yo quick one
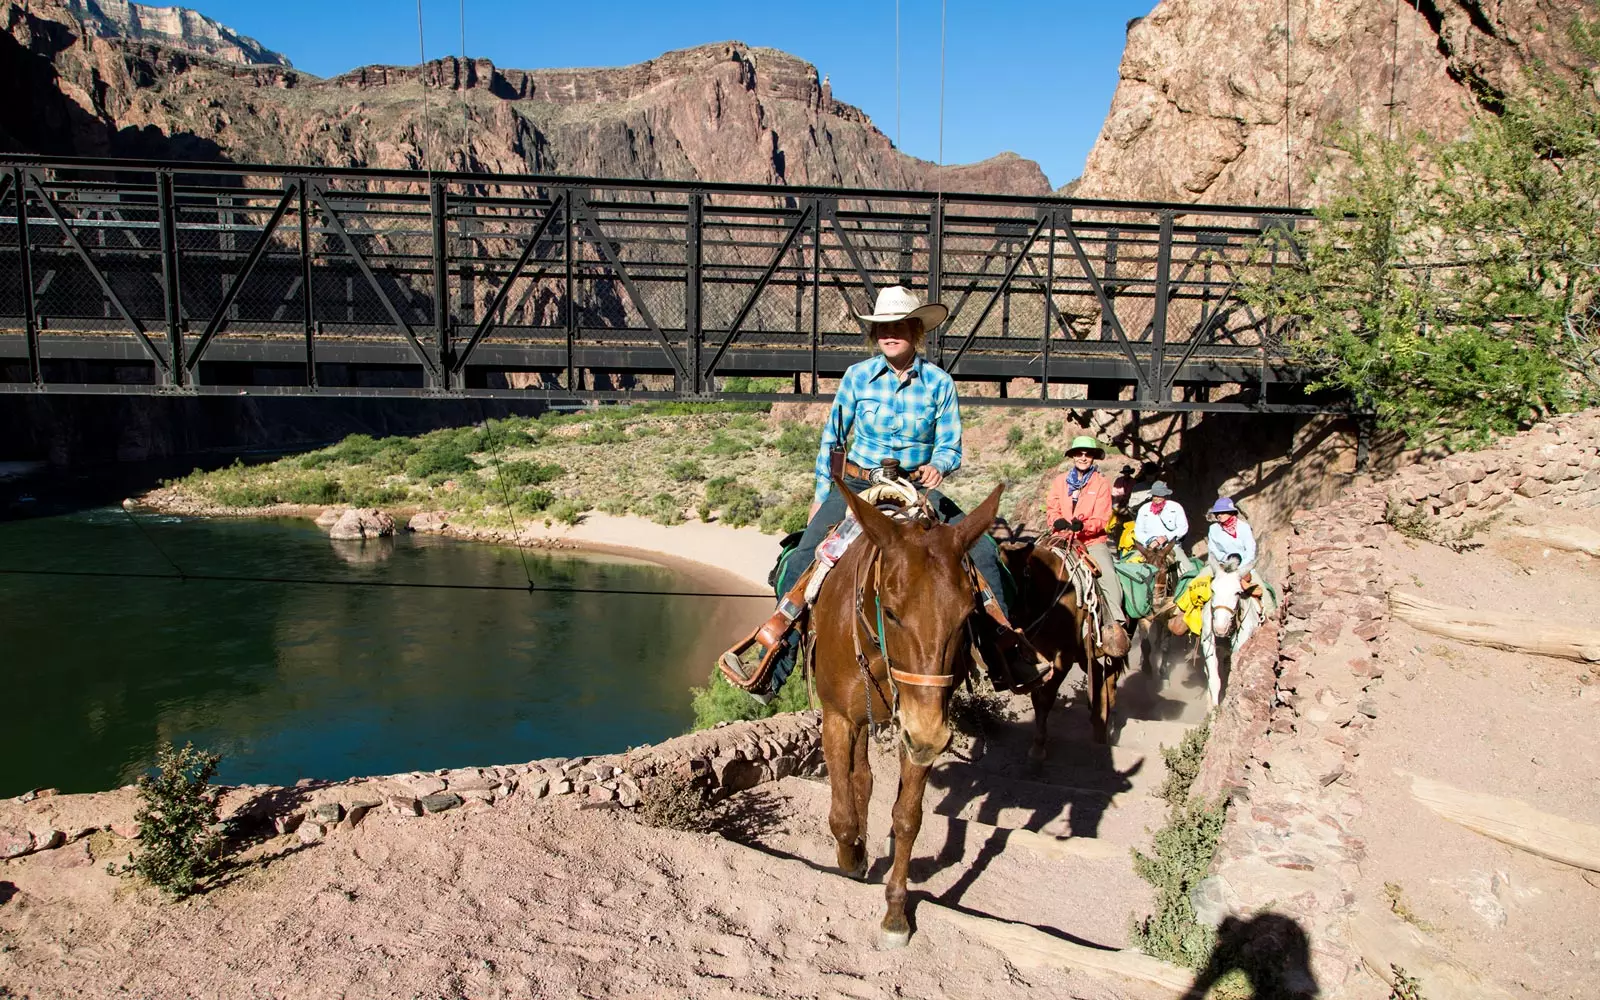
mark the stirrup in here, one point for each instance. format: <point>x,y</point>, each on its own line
<point>751,675</point>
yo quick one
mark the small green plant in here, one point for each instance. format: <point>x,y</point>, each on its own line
<point>316,489</point>
<point>665,509</point>
<point>686,471</point>
<point>1037,454</point>
<point>1410,521</point>
<point>1396,897</point>
<point>1013,437</point>
<point>674,801</point>
<point>1405,987</point>
<point>704,511</point>
<point>1183,763</point>
<point>744,422</point>
<point>178,847</point>
<point>616,504</point>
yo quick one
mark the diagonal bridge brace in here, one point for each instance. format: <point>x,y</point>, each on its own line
<point>590,226</point>
<point>1005,283</point>
<point>94,270</point>
<point>831,213</point>
<point>557,207</point>
<point>1106,308</point>
<point>755,293</point>
<point>219,318</point>
<point>321,199</point>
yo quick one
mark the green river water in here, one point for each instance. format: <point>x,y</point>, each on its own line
<point>292,681</point>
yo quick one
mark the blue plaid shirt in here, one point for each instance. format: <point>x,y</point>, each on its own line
<point>917,421</point>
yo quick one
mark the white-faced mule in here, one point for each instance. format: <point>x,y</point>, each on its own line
<point>891,642</point>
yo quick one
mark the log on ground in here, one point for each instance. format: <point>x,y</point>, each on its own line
<point>1515,823</point>
<point>1517,633</point>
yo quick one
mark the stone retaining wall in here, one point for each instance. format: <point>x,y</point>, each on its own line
<point>727,759</point>
<point>1287,741</point>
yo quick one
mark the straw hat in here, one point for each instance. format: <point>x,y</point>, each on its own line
<point>897,303</point>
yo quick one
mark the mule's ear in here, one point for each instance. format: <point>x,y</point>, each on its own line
<point>976,523</point>
<point>874,523</point>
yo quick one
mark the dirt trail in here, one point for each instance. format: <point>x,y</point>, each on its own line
<point>565,897</point>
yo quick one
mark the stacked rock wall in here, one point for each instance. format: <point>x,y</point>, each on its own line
<point>1286,743</point>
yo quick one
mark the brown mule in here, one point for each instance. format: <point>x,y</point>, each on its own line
<point>1055,621</point>
<point>915,575</point>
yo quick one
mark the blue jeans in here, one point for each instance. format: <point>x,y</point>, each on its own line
<point>985,558</point>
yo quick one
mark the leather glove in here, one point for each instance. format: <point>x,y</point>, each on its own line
<point>1076,524</point>
<point>1061,525</point>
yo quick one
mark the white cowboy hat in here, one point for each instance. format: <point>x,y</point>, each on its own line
<point>897,303</point>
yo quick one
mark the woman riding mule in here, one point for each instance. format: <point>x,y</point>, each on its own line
<point>904,415</point>
<point>1082,498</point>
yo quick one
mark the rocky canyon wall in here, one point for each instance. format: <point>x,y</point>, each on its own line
<point>1236,103</point>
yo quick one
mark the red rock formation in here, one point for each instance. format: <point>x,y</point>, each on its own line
<point>724,112</point>
<point>1199,114</point>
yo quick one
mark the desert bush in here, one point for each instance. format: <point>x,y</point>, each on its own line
<point>1405,987</point>
<point>674,801</point>
<point>441,457</point>
<point>314,489</point>
<point>603,434</point>
<point>784,519</point>
<point>1038,455</point>
<point>178,847</point>
<point>798,439</point>
<point>666,509</point>
<point>726,446</point>
<point>720,701</point>
<point>242,494</point>
<point>516,474</point>
<point>532,501</point>
<point>1013,437</point>
<point>375,496</point>
<point>686,471</point>
<point>1183,763</point>
<point>568,511</point>
<point>1180,857</point>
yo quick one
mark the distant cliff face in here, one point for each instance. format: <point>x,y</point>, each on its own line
<point>724,112</point>
<point>178,27</point>
<point>1199,112</point>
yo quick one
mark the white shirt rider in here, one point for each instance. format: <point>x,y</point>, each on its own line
<point>1161,518</point>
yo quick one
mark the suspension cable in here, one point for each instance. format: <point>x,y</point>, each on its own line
<point>505,491</point>
<point>897,75</point>
<point>306,581</point>
<point>1288,34</point>
<point>942,8</point>
<point>422,68</point>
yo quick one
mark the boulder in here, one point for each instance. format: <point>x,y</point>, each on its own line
<point>429,521</point>
<point>15,843</point>
<point>363,523</point>
<point>330,516</point>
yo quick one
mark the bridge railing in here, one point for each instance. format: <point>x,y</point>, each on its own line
<point>194,277</point>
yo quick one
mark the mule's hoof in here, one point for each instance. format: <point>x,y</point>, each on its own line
<point>889,940</point>
<point>1037,753</point>
<point>859,872</point>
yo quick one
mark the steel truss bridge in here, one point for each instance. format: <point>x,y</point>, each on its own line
<point>184,278</point>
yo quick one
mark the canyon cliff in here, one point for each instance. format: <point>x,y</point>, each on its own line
<point>1235,104</point>
<point>178,27</point>
<point>722,112</point>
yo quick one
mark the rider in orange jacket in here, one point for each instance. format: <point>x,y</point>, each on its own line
<point>1082,498</point>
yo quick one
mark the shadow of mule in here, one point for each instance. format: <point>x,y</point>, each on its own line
<point>1273,953</point>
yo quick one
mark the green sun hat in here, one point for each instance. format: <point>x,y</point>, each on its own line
<point>1086,442</point>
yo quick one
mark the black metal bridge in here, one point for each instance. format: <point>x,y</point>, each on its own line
<point>182,278</point>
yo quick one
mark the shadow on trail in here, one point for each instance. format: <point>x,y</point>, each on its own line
<point>1271,950</point>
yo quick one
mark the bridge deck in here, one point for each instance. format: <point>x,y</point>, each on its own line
<point>118,276</point>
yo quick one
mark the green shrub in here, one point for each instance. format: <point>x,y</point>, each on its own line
<point>745,422</point>
<point>440,458</point>
<point>798,439</point>
<point>529,473</point>
<point>568,511</point>
<point>498,435</point>
<point>1180,857</point>
<point>1183,763</point>
<point>785,519</point>
<point>315,489</point>
<point>603,434</point>
<point>743,383</point>
<point>1038,455</point>
<point>686,471</point>
<point>178,848</point>
<point>235,494</point>
<point>375,496</point>
<point>720,701</point>
<point>725,446</point>
<point>532,501</point>
<point>616,504</point>
<point>1013,437</point>
<point>665,509</point>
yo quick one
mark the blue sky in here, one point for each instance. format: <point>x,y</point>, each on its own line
<point>1034,78</point>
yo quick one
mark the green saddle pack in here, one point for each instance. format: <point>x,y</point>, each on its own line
<point>1138,581</point>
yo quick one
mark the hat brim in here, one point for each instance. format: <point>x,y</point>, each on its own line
<point>1160,493</point>
<point>931,316</point>
<point>1096,452</point>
